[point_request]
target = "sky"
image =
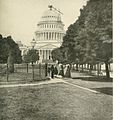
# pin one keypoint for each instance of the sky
(19, 18)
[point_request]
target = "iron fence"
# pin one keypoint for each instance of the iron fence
(23, 73)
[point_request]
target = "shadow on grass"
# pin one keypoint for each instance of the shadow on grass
(95, 78)
(105, 90)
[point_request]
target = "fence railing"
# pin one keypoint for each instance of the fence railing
(23, 73)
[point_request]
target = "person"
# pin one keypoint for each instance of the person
(55, 70)
(52, 71)
(61, 71)
(68, 72)
(49, 71)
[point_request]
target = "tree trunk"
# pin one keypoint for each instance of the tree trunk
(73, 67)
(91, 67)
(27, 67)
(95, 67)
(10, 62)
(98, 69)
(33, 70)
(107, 70)
(82, 67)
(77, 67)
(46, 65)
(87, 66)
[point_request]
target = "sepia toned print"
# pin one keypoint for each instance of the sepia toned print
(56, 60)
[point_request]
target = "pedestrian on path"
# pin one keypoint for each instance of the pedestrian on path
(68, 71)
(52, 71)
(55, 70)
(61, 71)
(49, 71)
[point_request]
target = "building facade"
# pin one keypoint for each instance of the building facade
(23, 47)
(49, 33)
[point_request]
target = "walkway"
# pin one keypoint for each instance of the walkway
(52, 81)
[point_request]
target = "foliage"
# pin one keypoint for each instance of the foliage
(7, 46)
(58, 54)
(89, 39)
(31, 56)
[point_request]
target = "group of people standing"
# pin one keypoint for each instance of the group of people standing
(59, 71)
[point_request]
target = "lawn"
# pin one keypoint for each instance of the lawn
(53, 102)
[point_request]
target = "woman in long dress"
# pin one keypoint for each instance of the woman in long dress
(68, 72)
(61, 71)
(52, 71)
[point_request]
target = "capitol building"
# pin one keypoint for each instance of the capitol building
(49, 33)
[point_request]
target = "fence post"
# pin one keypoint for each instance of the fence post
(27, 67)
(7, 73)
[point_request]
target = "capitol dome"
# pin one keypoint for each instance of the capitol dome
(51, 15)
(49, 33)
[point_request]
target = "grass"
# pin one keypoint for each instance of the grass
(53, 102)
(95, 78)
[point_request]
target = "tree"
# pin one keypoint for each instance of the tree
(99, 22)
(9, 52)
(58, 54)
(91, 34)
(31, 56)
(89, 39)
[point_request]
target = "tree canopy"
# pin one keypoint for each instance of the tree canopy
(31, 56)
(7, 47)
(89, 39)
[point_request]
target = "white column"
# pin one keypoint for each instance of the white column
(48, 53)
